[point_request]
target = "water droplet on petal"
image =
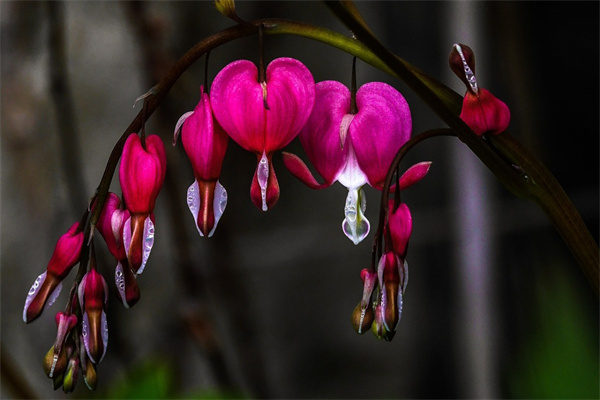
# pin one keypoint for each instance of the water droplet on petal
(35, 288)
(120, 283)
(193, 202)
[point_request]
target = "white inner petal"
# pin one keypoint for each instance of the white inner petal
(355, 225)
(262, 174)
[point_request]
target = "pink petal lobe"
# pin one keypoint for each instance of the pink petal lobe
(237, 103)
(299, 169)
(320, 136)
(204, 141)
(381, 126)
(414, 174)
(399, 227)
(290, 96)
(484, 113)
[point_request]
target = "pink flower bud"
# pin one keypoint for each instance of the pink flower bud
(481, 110)
(142, 172)
(47, 286)
(93, 296)
(205, 144)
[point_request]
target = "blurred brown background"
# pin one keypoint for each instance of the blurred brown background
(495, 307)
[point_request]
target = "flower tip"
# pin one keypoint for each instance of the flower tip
(226, 7)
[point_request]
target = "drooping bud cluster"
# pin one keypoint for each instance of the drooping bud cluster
(128, 230)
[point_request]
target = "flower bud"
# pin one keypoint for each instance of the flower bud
(462, 63)
(93, 296)
(55, 364)
(89, 369)
(47, 286)
(226, 7)
(142, 172)
(71, 374)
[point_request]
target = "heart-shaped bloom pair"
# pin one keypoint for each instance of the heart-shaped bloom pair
(263, 117)
(355, 149)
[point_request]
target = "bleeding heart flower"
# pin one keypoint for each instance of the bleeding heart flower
(93, 297)
(141, 173)
(48, 285)
(355, 149)
(110, 225)
(205, 143)
(481, 110)
(263, 117)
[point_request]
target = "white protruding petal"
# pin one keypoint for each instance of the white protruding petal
(81, 290)
(148, 242)
(469, 74)
(219, 204)
(104, 328)
(193, 202)
(53, 296)
(34, 290)
(399, 304)
(262, 174)
(352, 176)
(127, 235)
(355, 225)
(180, 122)
(120, 283)
(405, 271)
(85, 330)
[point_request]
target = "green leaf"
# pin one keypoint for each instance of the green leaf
(150, 380)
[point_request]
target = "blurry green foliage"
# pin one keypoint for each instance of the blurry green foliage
(560, 358)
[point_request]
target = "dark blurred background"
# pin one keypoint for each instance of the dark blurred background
(496, 306)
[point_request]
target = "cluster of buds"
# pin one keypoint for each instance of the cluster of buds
(82, 337)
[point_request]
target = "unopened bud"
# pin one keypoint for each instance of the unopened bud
(362, 319)
(462, 63)
(226, 7)
(71, 375)
(55, 364)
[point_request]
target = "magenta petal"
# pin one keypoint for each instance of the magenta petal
(320, 137)
(400, 228)
(381, 126)
(204, 140)
(237, 102)
(484, 113)
(414, 174)
(142, 172)
(290, 97)
(299, 169)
